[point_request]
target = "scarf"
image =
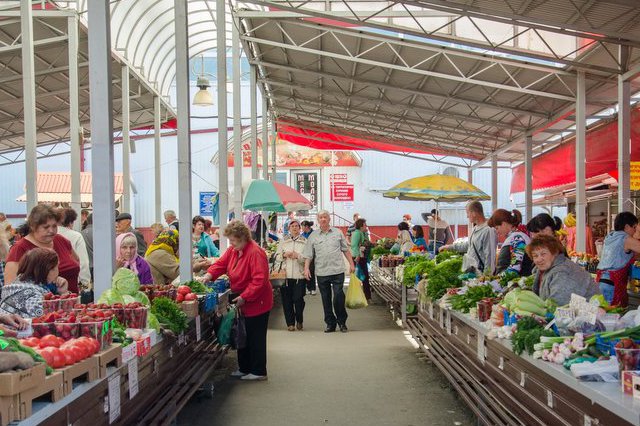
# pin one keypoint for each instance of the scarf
(129, 264)
(167, 241)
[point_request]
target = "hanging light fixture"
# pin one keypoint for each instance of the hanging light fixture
(203, 97)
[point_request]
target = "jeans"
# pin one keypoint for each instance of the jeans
(293, 301)
(253, 358)
(328, 284)
(311, 284)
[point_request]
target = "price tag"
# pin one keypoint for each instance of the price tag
(114, 397)
(501, 363)
(590, 421)
(564, 313)
(448, 322)
(576, 302)
(27, 332)
(198, 335)
(522, 378)
(132, 366)
(549, 399)
(181, 340)
(129, 352)
(481, 347)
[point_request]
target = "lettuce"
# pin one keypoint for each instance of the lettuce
(125, 281)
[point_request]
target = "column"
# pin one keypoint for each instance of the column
(74, 122)
(126, 147)
(528, 176)
(274, 138)
(237, 122)
(265, 139)
(254, 124)
(494, 183)
(223, 180)
(156, 159)
(183, 108)
(624, 145)
(29, 103)
(101, 104)
(581, 193)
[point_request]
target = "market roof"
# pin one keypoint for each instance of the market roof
(50, 28)
(55, 187)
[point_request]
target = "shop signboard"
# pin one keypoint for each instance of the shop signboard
(307, 184)
(342, 192)
(634, 182)
(209, 205)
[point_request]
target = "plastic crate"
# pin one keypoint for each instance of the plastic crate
(219, 286)
(135, 318)
(210, 302)
(607, 346)
(635, 272)
(102, 331)
(65, 330)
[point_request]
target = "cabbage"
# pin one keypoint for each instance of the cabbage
(110, 297)
(125, 281)
(142, 298)
(152, 322)
(128, 299)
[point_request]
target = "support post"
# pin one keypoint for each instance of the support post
(494, 183)
(265, 139)
(528, 176)
(184, 136)
(581, 193)
(254, 123)
(126, 147)
(101, 104)
(223, 179)
(624, 145)
(237, 122)
(274, 138)
(29, 103)
(157, 159)
(74, 122)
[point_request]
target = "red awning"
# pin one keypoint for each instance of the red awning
(557, 167)
(169, 124)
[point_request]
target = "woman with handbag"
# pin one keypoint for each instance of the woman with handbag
(360, 252)
(246, 265)
(289, 257)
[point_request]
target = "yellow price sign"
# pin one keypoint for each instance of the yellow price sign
(634, 180)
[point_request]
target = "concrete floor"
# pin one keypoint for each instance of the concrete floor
(371, 375)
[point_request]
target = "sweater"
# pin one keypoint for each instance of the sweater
(562, 279)
(293, 267)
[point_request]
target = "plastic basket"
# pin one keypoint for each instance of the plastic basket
(210, 302)
(635, 272)
(64, 330)
(102, 331)
(135, 318)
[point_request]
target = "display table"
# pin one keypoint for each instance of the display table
(504, 388)
(387, 284)
(147, 389)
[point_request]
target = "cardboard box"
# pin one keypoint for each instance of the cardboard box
(190, 308)
(627, 381)
(112, 357)
(18, 381)
(85, 370)
(52, 387)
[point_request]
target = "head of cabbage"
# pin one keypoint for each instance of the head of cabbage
(125, 281)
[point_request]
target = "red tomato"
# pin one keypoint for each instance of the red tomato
(49, 341)
(88, 344)
(69, 355)
(32, 342)
(184, 289)
(54, 357)
(190, 296)
(179, 298)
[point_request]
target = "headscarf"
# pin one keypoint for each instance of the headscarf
(129, 264)
(167, 241)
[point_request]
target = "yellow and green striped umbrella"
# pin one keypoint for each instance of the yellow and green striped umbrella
(436, 187)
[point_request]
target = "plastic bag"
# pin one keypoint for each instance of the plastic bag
(224, 332)
(238, 332)
(360, 273)
(355, 295)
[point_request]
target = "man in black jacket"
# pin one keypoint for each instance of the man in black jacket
(123, 225)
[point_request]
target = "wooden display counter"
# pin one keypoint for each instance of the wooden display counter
(502, 388)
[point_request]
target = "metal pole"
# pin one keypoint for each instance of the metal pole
(29, 103)
(581, 194)
(223, 179)
(265, 140)
(237, 123)
(624, 145)
(101, 104)
(126, 147)
(74, 122)
(528, 176)
(494, 183)
(274, 137)
(470, 180)
(184, 136)
(156, 159)
(254, 123)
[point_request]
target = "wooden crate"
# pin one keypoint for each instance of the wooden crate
(111, 357)
(52, 388)
(18, 381)
(85, 371)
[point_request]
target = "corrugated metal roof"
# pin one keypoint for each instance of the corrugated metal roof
(60, 182)
(61, 197)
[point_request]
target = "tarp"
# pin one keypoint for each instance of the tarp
(558, 167)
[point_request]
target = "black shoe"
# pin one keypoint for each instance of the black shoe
(343, 328)
(330, 329)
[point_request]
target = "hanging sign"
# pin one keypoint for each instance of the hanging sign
(634, 181)
(307, 184)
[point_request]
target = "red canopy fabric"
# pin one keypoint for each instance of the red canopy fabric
(169, 124)
(557, 167)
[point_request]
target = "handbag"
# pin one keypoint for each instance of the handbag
(224, 331)
(238, 331)
(278, 278)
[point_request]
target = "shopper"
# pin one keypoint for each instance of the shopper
(84, 214)
(123, 224)
(618, 253)
(352, 227)
(326, 247)
(162, 257)
(439, 231)
(512, 257)
(127, 257)
(555, 276)
(407, 218)
(42, 231)
(172, 220)
(248, 269)
(417, 235)
(4, 250)
(307, 229)
(480, 247)
(65, 228)
(289, 256)
(156, 228)
(404, 242)
(360, 253)
(87, 235)
(202, 241)
(285, 227)
(37, 275)
(544, 224)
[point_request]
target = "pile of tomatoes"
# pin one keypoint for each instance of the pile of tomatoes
(185, 294)
(58, 353)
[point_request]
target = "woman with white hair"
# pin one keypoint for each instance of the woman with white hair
(127, 257)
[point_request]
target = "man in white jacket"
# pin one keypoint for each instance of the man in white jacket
(289, 257)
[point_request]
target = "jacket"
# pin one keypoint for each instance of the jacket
(205, 246)
(562, 279)
(479, 248)
(164, 267)
(293, 267)
(80, 247)
(248, 272)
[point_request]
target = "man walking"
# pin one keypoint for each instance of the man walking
(326, 247)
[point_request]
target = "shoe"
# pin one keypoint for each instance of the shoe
(330, 329)
(313, 292)
(343, 328)
(299, 326)
(291, 328)
(238, 373)
(253, 378)
(308, 292)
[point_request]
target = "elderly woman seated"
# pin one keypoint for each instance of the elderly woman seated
(555, 276)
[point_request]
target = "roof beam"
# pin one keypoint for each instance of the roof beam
(43, 42)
